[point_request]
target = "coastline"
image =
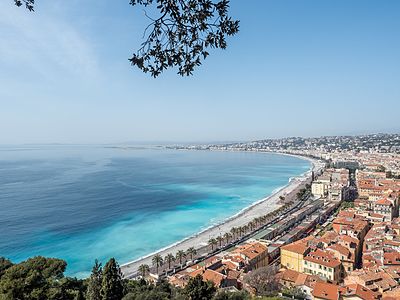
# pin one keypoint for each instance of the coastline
(258, 208)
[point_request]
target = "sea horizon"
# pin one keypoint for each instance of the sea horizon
(125, 203)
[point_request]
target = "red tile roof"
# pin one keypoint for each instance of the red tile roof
(327, 291)
(323, 258)
(384, 201)
(360, 291)
(299, 247)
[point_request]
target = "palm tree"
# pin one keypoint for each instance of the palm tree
(220, 239)
(263, 219)
(157, 261)
(244, 228)
(212, 242)
(227, 237)
(251, 225)
(191, 251)
(241, 230)
(180, 255)
(233, 232)
(169, 258)
(255, 223)
(144, 270)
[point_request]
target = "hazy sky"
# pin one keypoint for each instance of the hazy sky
(297, 68)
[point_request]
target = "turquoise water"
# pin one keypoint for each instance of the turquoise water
(80, 203)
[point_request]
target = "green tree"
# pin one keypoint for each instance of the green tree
(183, 33)
(227, 237)
(242, 230)
(294, 293)
(28, 3)
(157, 261)
(226, 295)
(4, 265)
(191, 251)
(251, 225)
(380, 168)
(169, 259)
(263, 220)
(264, 280)
(144, 270)
(212, 242)
(197, 289)
(142, 290)
(234, 231)
(112, 284)
(67, 289)
(95, 282)
(36, 278)
(220, 239)
(180, 255)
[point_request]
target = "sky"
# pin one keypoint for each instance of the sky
(296, 68)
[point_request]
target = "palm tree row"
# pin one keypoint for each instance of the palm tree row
(169, 260)
(238, 232)
(235, 234)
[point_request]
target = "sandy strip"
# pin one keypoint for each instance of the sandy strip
(258, 209)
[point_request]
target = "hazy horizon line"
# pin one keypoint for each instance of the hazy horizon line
(172, 142)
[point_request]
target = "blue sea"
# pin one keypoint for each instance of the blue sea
(80, 203)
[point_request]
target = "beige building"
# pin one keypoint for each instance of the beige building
(292, 255)
(319, 188)
(324, 264)
(385, 207)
